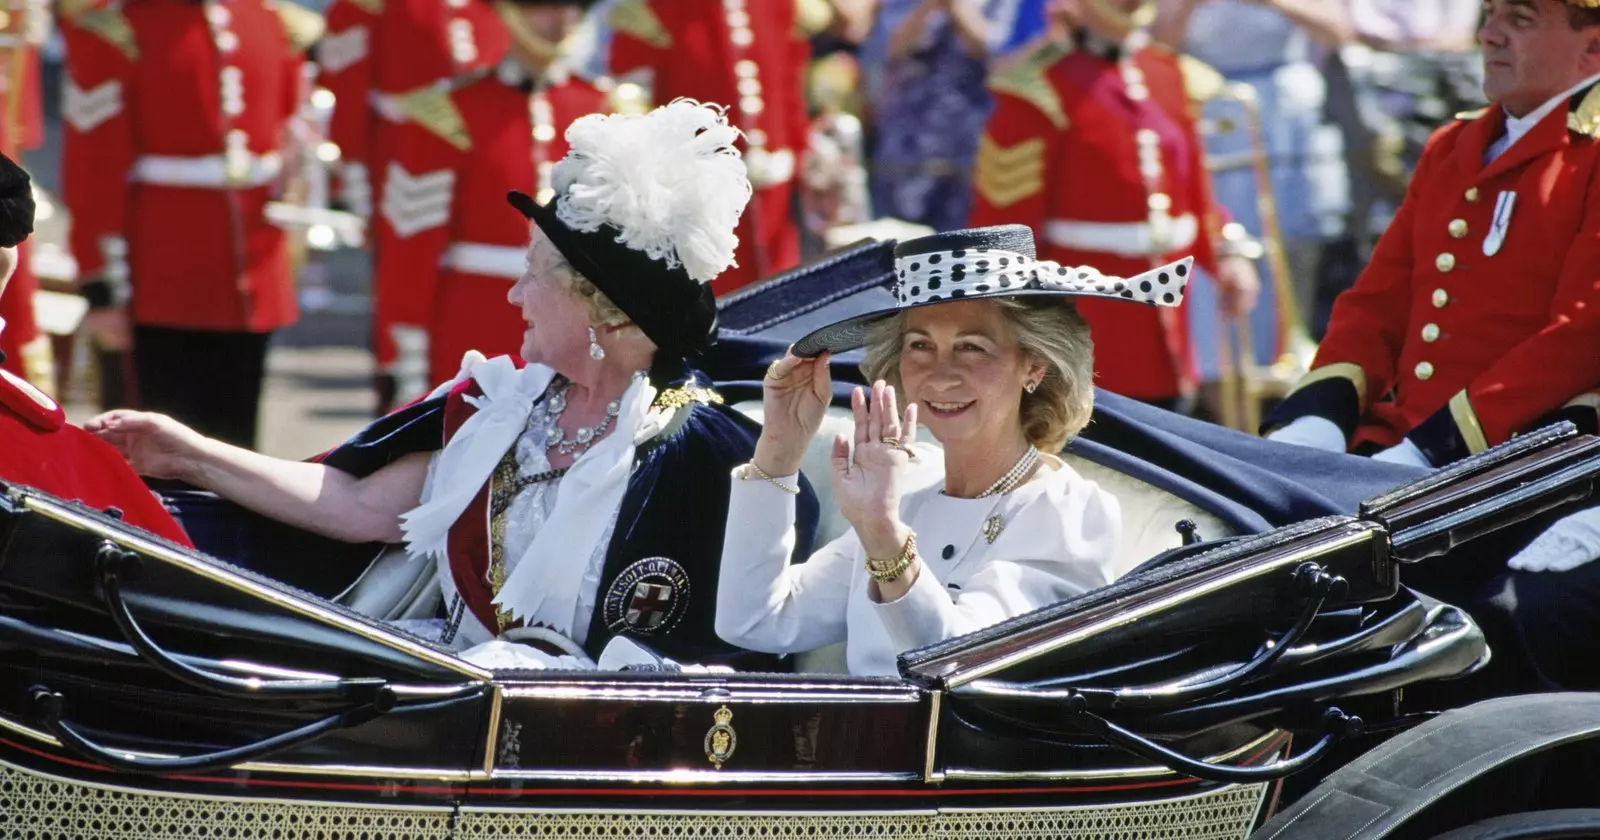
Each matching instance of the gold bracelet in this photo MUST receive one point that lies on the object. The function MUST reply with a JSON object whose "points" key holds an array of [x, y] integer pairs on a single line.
{"points": [[888, 571], [760, 473]]}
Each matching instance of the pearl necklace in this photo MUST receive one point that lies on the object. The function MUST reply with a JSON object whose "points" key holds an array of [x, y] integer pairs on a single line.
{"points": [[586, 435], [1013, 477]]}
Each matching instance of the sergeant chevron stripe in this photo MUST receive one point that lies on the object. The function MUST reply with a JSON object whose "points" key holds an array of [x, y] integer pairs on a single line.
{"points": [[1006, 175], [84, 110], [339, 50], [415, 203]]}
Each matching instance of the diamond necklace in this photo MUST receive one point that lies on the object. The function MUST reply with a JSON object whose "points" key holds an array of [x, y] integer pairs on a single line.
{"points": [[586, 435]]}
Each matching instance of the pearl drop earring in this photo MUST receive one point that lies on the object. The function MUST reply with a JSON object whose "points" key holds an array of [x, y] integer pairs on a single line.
{"points": [[596, 352]]}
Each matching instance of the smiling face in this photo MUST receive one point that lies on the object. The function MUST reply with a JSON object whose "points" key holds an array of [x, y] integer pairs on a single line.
{"points": [[961, 364], [1532, 52], [558, 322]]}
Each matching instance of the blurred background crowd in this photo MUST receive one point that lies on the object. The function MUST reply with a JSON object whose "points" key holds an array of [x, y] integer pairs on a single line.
{"points": [[1320, 113]]}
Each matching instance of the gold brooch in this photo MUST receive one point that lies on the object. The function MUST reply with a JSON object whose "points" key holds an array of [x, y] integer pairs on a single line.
{"points": [[676, 398], [721, 740], [992, 528]]}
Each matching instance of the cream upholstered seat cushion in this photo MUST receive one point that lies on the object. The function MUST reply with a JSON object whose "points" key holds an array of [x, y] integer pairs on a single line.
{"points": [[1149, 514]]}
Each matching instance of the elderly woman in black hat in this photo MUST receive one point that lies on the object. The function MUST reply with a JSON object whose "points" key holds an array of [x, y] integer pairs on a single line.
{"points": [[986, 349], [581, 497]]}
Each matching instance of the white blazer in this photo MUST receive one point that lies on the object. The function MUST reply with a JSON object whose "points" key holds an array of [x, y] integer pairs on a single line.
{"points": [[1059, 538]]}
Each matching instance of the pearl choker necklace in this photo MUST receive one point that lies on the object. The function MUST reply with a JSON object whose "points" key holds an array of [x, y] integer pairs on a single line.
{"points": [[1013, 477]]}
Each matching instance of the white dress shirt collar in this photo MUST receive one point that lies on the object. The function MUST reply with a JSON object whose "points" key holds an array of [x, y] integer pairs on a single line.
{"points": [[1518, 127]]}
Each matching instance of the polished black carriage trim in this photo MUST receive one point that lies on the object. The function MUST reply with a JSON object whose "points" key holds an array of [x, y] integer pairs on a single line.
{"points": [[1319, 589], [1247, 570], [1388, 507], [48, 707], [1337, 728], [114, 563]]}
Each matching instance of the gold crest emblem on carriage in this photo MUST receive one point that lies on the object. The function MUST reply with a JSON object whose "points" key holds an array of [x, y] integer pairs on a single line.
{"points": [[721, 740]]}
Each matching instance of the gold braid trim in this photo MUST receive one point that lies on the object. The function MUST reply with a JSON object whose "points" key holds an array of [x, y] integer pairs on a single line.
{"points": [[432, 108], [112, 26], [1006, 175], [1467, 422], [1586, 118], [1201, 81], [1028, 79], [811, 18], [303, 26], [636, 18], [675, 398], [1339, 370], [371, 7]]}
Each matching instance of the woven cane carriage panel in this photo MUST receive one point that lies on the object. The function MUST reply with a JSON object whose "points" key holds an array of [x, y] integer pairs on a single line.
{"points": [[44, 808], [1224, 814]]}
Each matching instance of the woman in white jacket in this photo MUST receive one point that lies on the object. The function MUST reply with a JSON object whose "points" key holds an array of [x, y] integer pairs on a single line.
{"points": [[986, 347]]}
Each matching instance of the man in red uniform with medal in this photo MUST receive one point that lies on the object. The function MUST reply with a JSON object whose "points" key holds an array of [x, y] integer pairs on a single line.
{"points": [[38, 447], [175, 112], [440, 241], [724, 52], [1093, 144], [376, 52], [1479, 313]]}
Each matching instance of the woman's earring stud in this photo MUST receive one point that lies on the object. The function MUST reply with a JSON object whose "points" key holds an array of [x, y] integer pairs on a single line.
{"points": [[1030, 386], [596, 352]]}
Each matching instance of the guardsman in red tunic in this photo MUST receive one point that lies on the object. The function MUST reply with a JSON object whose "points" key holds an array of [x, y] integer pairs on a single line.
{"points": [[38, 447], [1093, 144], [441, 236], [1479, 313], [23, 27], [175, 112], [376, 52], [724, 52]]}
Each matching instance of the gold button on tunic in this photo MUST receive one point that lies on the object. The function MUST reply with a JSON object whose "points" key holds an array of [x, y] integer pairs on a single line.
{"points": [[1430, 333], [1440, 298], [1445, 261], [1424, 370], [1458, 228]]}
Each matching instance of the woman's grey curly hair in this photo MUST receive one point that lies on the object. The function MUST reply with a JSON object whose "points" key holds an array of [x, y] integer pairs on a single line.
{"points": [[544, 259], [1048, 330]]}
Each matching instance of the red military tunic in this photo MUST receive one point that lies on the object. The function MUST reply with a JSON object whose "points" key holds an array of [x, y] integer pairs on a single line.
{"points": [[39, 448], [375, 52], [1461, 331], [719, 51], [1102, 159], [26, 348], [445, 233], [174, 113]]}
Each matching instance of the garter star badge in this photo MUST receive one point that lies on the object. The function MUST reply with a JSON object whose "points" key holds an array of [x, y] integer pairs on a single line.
{"points": [[721, 740], [649, 597]]}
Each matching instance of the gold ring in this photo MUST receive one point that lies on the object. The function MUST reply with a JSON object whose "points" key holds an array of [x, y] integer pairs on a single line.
{"points": [[910, 453], [892, 441], [772, 370]]}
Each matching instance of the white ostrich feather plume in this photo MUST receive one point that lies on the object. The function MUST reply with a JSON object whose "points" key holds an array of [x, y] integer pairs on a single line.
{"points": [[670, 180]]}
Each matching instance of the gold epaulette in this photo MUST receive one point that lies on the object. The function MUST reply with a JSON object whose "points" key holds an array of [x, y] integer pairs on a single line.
{"points": [[1585, 119], [432, 108], [1027, 78], [811, 18], [1005, 175], [112, 26], [1201, 81], [70, 10], [636, 18], [371, 7], [673, 399], [303, 26]]}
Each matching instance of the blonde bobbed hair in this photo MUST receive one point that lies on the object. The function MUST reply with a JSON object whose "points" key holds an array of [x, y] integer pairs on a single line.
{"points": [[1049, 331]]}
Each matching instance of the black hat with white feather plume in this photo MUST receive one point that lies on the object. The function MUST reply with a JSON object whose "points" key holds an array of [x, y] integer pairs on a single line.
{"points": [[646, 207]]}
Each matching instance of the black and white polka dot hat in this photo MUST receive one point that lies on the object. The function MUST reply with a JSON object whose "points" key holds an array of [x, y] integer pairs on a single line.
{"points": [[992, 262]]}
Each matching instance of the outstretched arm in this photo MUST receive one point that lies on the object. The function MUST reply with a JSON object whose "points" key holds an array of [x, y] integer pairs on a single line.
{"points": [[314, 497]]}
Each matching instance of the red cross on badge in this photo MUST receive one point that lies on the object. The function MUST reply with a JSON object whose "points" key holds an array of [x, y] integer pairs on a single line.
{"points": [[650, 604]]}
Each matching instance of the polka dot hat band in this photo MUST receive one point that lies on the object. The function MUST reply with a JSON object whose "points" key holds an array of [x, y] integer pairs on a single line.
{"points": [[993, 262]]}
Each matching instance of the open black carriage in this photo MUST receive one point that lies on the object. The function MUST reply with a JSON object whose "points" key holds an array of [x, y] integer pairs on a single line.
{"points": [[151, 691]]}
